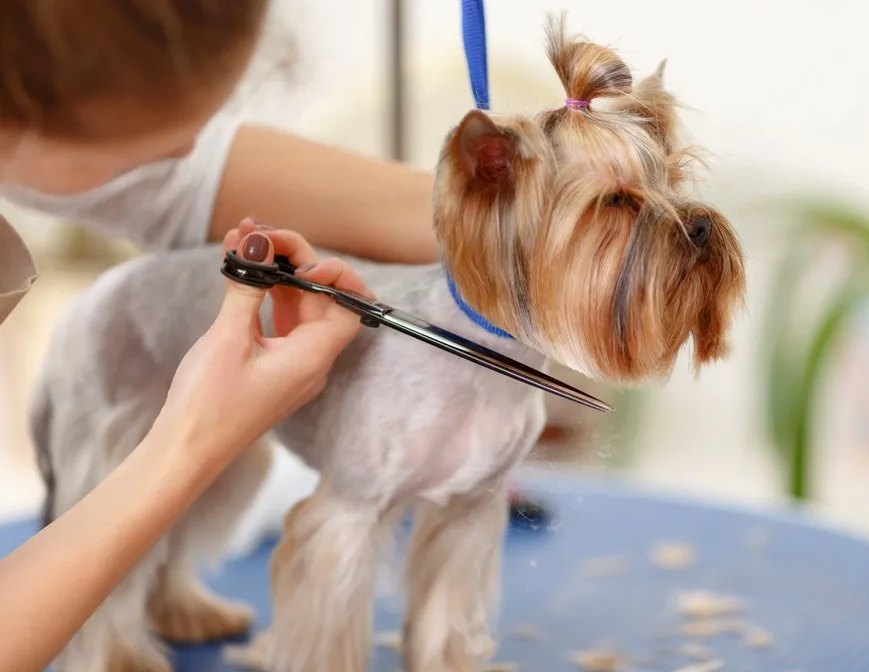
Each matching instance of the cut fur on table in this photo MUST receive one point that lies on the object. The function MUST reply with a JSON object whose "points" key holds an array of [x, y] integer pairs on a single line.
{"points": [[569, 230]]}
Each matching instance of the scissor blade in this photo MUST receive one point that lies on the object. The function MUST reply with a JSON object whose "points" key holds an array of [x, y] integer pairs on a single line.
{"points": [[374, 313], [495, 361]]}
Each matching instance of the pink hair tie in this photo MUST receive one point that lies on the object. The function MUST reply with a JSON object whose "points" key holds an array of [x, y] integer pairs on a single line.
{"points": [[579, 105]]}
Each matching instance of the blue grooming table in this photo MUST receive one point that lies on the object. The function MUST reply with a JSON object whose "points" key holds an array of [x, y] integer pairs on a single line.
{"points": [[808, 587]]}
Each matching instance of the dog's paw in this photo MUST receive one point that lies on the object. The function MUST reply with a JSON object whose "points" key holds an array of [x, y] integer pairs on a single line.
{"points": [[196, 617], [126, 662], [253, 656]]}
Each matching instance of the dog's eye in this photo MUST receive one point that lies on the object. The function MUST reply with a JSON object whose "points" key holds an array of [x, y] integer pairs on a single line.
{"points": [[619, 199]]}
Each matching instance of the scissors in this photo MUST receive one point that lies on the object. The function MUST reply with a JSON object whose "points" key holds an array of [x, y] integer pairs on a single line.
{"points": [[374, 313]]}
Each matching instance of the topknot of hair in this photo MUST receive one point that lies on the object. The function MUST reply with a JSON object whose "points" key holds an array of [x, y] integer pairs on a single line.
{"points": [[586, 70]]}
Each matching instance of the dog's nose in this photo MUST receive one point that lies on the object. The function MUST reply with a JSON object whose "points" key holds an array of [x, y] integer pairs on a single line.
{"points": [[699, 230]]}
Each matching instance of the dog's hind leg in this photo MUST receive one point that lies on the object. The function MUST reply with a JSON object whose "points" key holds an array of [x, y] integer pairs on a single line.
{"points": [[453, 575], [116, 638], [322, 576], [181, 609], [78, 447]]}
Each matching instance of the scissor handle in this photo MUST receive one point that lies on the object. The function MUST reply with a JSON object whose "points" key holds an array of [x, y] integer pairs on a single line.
{"points": [[282, 272], [250, 273], [284, 265]]}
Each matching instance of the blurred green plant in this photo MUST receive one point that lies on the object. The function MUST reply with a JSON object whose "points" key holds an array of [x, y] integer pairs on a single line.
{"points": [[627, 419], [796, 347]]}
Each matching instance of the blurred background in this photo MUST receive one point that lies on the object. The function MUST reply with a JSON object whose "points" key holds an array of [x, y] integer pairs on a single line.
{"points": [[777, 93]]}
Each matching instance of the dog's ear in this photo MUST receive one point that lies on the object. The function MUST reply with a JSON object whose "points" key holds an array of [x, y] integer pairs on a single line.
{"points": [[485, 151], [650, 100]]}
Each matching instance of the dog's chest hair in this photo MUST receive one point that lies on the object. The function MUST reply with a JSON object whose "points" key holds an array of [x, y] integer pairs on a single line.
{"points": [[399, 416]]}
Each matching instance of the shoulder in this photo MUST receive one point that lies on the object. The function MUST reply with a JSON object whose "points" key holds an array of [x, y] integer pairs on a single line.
{"points": [[161, 205]]}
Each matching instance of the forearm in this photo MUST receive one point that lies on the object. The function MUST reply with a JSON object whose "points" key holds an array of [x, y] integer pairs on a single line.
{"points": [[335, 199], [52, 584]]}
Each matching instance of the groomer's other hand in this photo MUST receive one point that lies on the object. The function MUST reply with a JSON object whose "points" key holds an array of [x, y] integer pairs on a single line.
{"points": [[235, 384]]}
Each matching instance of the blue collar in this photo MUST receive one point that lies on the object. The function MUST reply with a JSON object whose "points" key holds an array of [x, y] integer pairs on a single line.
{"points": [[472, 314]]}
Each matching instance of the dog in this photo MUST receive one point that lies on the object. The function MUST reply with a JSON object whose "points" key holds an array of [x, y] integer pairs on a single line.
{"points": [[566, 236]]}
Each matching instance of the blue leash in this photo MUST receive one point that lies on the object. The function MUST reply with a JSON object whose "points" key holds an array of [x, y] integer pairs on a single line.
{"points": [[523, 512], [474, 37]]}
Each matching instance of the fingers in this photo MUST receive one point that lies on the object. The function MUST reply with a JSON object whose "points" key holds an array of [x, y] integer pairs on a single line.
{"points": [[288, 243], [342, 331], [242, 303], [337, 326], [294, 247], [247, 227], [230, 240], [336, 273], [286, 314], [314, 346], [233, 236]]}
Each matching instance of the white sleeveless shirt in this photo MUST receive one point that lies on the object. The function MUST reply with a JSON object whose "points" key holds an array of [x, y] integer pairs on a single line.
{"points": [[163, 205]]}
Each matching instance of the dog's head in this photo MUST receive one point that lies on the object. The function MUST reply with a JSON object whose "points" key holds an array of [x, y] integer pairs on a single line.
{"points": [[570, 231]]}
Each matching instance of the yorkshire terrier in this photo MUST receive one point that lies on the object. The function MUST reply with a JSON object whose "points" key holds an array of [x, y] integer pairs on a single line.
{"points": [[566, 236]]}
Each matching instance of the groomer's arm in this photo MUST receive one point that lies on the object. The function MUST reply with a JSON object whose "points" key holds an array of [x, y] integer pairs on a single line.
{"points": [[335, 199], [55, 581], [51, 584]]}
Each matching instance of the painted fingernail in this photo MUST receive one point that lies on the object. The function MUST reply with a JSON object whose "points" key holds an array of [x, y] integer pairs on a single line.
{"points": [[307, 267], [256, 247]]}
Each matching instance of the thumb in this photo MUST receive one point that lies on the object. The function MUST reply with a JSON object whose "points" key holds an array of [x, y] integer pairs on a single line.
{"points": [[242, 302]]}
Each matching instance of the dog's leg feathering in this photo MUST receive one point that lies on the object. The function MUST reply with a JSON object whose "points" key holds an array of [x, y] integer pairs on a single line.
{"points": [[453, 572], [322, 585]]}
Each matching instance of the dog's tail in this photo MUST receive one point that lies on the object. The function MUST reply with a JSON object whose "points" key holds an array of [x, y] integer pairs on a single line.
{"points": [[40, 433]]}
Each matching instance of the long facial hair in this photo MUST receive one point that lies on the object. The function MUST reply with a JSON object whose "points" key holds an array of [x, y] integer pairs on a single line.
{"points": [[570, 230]]}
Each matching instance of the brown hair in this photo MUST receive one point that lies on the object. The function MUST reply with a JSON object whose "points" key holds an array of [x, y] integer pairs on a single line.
{"points": [[61, 58]]}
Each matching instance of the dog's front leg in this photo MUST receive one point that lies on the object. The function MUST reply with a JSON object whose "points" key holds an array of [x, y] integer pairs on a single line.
{"points": [[453, 572], [322, 585]]}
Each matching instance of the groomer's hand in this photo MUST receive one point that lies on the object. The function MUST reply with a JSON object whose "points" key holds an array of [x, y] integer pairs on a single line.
{"points": [[235, 384]]}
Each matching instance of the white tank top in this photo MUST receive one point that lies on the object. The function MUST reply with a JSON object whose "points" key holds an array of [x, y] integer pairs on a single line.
{"points": [[163, 205]]}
